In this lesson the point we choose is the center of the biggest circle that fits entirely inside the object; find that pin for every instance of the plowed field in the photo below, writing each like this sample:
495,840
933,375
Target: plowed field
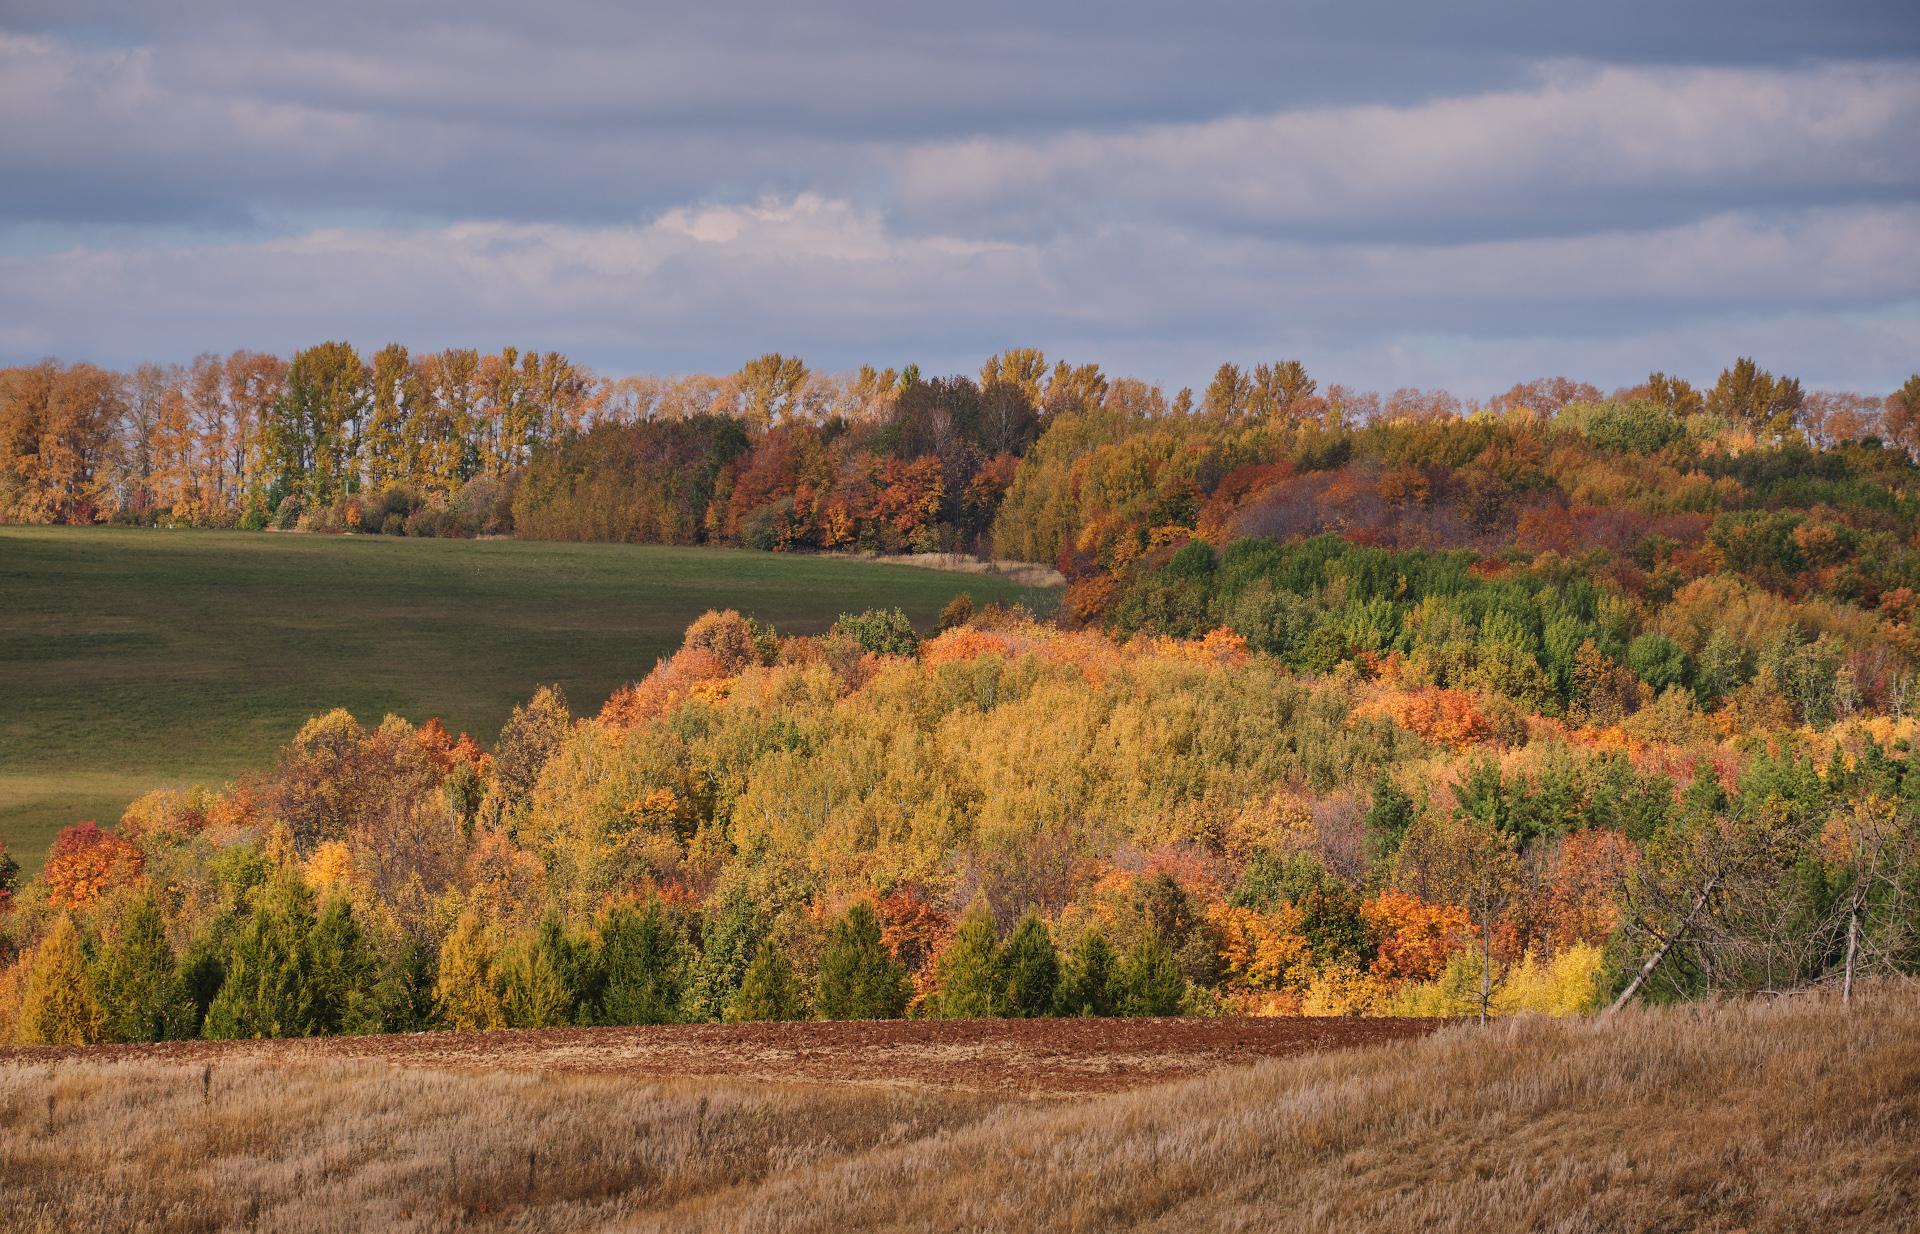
1042,1058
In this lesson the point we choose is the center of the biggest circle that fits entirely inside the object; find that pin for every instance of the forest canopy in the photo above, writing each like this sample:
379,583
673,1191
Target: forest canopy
1355,705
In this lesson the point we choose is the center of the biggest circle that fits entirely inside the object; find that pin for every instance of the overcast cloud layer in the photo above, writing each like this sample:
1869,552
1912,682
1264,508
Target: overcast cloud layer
1396,193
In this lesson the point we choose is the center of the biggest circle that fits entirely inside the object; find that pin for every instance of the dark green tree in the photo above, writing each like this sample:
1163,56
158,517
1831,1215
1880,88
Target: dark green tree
267,988
643,963
733,933
1029,970
859,978
1390,814
1151,981
768,991
1090,984
972,985
136,982
340,972
405,969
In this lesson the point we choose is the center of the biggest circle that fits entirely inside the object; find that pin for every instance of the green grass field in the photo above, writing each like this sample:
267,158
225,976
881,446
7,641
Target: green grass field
132,659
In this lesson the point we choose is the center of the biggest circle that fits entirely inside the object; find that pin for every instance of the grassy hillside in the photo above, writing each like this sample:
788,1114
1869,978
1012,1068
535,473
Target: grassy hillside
1764,1117
133,658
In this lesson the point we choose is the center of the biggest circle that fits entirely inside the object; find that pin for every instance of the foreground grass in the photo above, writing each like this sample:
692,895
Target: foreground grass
131,659
1760,1117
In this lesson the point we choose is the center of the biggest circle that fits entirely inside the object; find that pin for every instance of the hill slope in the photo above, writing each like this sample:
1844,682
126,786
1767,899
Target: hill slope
136,658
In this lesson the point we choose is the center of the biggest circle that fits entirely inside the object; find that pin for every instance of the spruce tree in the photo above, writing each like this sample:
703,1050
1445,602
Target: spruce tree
1090,984
340,968
203,967
1389,816
136,984
768,991
644,966
859,978
1029,970
267,990
403,980
971,983
1151,981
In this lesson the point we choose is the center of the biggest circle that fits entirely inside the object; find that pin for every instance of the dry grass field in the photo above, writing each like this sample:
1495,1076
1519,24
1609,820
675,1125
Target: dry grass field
1782,1116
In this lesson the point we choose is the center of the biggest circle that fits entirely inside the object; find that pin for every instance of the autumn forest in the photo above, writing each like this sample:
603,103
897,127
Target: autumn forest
1352,705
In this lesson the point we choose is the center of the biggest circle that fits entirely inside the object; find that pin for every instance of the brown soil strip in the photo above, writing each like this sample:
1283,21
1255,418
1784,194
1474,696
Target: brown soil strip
1035,1058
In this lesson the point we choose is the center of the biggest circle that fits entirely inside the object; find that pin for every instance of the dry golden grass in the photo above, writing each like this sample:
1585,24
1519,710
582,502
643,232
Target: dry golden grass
1792,1115
353,1146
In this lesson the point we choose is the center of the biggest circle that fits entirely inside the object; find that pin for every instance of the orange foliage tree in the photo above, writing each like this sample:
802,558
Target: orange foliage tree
86,863
1415,936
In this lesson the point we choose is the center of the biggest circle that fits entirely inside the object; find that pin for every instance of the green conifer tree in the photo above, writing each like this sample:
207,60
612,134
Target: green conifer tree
136,983
403,981
1090,984
1029,970
1390,814
859,978
341,972
1151,981
768,991
728,944
267,990
644,965
972,985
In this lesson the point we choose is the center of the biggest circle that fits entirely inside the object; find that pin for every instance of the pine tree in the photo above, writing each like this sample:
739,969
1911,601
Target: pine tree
267,991
644,965
340,968
403,983
58,1007
203,968
768,991
1029,970
859,978
136,983
971,983
1151,982
1090,984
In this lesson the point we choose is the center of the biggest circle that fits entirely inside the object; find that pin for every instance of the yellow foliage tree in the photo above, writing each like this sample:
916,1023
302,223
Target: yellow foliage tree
469,985
58,1007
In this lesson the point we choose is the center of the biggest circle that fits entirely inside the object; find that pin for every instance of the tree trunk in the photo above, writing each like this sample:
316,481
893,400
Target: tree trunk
1853,949
1486,969
1653,961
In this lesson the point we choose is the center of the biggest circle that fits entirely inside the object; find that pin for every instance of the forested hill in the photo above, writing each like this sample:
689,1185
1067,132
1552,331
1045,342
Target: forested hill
1359,706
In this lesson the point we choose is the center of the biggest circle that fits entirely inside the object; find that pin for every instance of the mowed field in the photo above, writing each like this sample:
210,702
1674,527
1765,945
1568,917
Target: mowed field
132,659
1767,1117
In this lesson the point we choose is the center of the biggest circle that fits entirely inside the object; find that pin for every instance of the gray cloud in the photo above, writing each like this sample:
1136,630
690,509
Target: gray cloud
707,287
1390,190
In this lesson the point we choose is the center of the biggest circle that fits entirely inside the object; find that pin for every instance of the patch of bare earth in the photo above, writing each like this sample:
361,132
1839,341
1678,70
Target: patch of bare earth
1026,1058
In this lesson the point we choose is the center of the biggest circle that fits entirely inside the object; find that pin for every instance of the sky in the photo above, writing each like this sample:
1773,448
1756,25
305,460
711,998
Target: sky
1462,195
